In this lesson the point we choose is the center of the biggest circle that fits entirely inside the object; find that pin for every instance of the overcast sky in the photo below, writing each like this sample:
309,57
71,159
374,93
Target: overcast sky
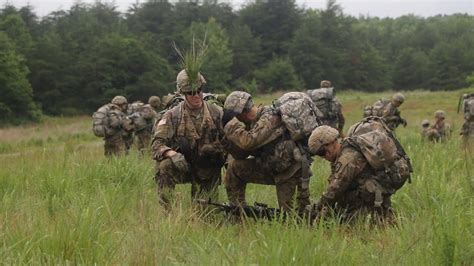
380,8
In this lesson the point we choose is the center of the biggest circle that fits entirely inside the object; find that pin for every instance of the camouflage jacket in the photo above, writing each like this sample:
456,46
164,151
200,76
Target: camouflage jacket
264,139
467,129
392,117
439,132
196,136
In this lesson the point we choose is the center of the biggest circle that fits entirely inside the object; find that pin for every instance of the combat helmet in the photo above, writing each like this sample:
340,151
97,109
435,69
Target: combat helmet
185,84
425,123
398,97
238,102
119,100
321,136
440,114
325,84
154,101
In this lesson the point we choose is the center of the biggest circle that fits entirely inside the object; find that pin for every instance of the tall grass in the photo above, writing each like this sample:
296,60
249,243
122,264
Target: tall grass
63,202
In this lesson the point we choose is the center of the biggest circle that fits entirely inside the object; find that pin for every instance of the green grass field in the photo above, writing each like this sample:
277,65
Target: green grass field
62,202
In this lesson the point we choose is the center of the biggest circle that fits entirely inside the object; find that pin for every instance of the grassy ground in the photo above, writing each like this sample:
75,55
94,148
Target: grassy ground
62,202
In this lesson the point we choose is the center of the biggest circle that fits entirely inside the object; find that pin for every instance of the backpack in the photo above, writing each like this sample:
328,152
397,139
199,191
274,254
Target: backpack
383,152
326,102
377,108
100,121
299,114
468,106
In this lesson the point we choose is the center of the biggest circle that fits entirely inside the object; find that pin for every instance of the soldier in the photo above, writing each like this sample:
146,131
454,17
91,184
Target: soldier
425,126
144,121
133,113
355,187
440,131
388,110
186,143
110,122
261,153
467,130
155,102
329,105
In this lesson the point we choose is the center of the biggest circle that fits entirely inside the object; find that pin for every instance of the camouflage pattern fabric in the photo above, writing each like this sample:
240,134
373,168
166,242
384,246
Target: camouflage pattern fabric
272,159
196,135
330,107
114,143
438,132
391,116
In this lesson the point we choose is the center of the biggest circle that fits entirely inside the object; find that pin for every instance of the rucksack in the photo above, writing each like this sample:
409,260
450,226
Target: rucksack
382,150
299,114
100,121
377,108
468,106
326,102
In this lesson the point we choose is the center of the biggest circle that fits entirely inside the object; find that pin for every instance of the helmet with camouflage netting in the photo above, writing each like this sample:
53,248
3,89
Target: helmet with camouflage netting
185,84
440,114
119,100
320,137
154,101
238,102
325,84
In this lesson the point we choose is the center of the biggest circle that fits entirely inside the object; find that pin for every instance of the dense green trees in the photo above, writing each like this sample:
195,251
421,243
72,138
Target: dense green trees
72,61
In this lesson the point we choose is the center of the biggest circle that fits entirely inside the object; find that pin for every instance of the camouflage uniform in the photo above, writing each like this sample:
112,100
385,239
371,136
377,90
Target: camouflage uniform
388,110
329,105
467,130
440,131
117,124
143,129
271,160
194,134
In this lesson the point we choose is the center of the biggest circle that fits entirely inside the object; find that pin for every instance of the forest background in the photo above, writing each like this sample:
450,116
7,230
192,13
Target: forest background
70,62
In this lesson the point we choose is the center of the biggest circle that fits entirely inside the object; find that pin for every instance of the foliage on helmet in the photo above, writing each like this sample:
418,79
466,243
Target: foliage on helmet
191,61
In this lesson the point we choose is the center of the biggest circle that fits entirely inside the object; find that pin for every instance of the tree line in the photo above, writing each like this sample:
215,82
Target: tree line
72,61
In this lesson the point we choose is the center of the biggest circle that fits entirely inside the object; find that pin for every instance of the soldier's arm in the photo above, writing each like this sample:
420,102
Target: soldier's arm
345,170
164,132
268,128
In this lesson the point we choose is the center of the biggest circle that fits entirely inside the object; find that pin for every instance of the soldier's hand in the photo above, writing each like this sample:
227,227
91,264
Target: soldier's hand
404,122
179,162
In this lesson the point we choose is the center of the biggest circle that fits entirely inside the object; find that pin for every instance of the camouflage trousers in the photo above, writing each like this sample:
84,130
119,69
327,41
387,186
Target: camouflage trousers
143,140
128,140
467,132
204,181
114,145
241,172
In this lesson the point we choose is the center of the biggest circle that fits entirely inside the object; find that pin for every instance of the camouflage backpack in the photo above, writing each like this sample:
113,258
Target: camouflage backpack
135,113
376,109
326,102
383,152
468,105
101,120
299,114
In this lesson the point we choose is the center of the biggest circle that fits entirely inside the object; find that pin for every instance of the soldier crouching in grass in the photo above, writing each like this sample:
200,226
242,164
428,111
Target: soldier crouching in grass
261,153
186,143
360,183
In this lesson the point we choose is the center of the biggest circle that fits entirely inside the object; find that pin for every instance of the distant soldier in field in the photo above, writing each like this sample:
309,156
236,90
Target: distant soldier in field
110,122
367,168
425,126
261,153
327,102
155,102
144,118
440,130
186,142
388,110
467,130
132,113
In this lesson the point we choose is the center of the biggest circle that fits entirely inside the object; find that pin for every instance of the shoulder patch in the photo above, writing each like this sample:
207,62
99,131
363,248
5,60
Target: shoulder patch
337,167
162,122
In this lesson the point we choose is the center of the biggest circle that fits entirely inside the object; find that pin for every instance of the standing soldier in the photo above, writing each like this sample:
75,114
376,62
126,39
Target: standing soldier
110,122
361,182
439,131
186,142
327,102
388,110
262,154
467,130
144,120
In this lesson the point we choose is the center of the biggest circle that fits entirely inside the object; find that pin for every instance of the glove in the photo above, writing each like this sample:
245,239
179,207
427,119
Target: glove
228,115
404,122
179,162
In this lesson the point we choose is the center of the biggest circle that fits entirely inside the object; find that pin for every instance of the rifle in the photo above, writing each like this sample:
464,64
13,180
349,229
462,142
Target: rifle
257,211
